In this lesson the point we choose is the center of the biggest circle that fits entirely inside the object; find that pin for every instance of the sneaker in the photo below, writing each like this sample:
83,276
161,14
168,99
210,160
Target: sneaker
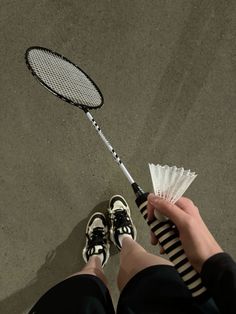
120,221
97,238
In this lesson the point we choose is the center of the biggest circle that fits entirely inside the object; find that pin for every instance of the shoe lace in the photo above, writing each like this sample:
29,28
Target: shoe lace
96,237
121,218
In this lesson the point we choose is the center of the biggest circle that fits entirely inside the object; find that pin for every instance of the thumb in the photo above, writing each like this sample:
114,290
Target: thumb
173,212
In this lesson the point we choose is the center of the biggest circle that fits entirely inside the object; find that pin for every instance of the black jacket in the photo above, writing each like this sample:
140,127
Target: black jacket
219,276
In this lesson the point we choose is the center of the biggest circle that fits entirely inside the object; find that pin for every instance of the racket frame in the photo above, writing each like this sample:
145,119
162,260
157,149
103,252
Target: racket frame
81,106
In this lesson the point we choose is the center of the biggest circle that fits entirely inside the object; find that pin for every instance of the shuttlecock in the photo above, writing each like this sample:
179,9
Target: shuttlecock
170,183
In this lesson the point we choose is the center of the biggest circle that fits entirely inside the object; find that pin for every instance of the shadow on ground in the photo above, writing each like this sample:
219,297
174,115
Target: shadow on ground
65,260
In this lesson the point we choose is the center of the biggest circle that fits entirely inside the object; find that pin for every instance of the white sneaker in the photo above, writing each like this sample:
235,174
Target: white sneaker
120,222
97,238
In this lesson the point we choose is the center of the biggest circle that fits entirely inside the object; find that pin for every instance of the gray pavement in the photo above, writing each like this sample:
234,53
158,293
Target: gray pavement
167,70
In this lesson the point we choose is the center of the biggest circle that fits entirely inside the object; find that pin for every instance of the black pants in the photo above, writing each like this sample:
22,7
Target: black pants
157,289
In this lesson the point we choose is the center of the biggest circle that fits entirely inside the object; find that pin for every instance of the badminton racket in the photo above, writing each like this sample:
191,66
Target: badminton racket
70,83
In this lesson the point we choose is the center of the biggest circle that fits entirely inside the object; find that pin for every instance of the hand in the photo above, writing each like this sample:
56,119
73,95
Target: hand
197,241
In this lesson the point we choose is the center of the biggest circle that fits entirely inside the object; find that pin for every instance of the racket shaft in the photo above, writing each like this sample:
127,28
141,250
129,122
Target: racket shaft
173,248
110,148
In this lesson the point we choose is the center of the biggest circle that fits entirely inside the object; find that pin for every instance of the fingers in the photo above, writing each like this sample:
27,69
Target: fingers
150,209
188,206
162,251
172,211
184,202
153,239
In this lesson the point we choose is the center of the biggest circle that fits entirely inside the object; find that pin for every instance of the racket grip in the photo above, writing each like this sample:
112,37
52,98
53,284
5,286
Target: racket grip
172,246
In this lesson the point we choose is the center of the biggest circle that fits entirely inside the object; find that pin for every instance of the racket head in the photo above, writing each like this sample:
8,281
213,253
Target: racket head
63,78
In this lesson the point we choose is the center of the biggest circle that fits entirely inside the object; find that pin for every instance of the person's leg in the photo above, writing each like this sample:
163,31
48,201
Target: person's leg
133,259
93,267
85,291
152,283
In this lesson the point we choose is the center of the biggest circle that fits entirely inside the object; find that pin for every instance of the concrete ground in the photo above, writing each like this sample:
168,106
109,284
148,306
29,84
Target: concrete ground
167,70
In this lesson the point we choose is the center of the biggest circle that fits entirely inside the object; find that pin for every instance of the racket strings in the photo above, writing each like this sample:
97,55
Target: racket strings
63,78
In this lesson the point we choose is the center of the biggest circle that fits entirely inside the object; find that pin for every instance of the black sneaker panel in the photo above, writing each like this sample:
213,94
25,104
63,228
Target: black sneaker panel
121,219
97,237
